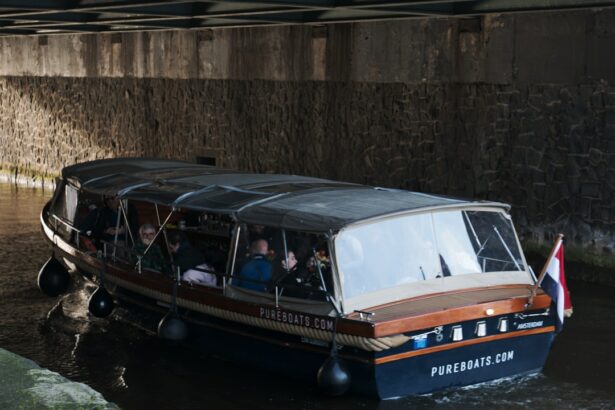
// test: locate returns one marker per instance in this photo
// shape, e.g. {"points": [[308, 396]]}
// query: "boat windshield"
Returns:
{"points": [[421, 247]]}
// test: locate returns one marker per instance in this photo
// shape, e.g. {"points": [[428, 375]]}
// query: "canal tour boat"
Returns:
{"points": [[381, 291]]}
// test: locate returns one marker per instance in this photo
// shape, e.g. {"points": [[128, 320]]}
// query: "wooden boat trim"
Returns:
{"points": [[457, 314], [456, 345], [447, 293]]}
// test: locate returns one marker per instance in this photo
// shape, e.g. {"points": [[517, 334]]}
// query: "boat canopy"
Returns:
{"points": [[284, 201]]}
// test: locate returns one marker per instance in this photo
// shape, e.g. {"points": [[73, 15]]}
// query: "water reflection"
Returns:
{"points": [[130, 367]]}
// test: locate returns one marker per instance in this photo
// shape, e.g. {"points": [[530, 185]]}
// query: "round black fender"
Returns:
{"points": [[333, 376], [53, 278], [101, 303], [172, 328]]}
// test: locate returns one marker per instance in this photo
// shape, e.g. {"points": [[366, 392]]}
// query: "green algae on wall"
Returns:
{"points": [[27, 177]]}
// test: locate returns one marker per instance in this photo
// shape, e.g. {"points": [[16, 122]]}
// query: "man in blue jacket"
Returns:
{"points": [[256, 274]]}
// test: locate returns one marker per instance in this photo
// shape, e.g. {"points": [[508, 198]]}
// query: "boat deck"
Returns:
{"points": [[439, 309]]}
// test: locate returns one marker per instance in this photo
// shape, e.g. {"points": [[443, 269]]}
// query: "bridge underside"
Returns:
{"points": [[33, 17]]}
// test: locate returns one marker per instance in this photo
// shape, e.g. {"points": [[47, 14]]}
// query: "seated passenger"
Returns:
{"points": [[257, 272], [153, 259], [183, 254], [107, 223], [256, 232], [299, 282]]}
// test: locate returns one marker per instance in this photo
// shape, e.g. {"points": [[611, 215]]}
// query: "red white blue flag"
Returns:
{"points": [[554, 284]]}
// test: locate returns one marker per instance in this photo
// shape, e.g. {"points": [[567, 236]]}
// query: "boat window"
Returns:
{"points": [[209, 235], [386, 254], [196, 243], [98, 218], [421, 247], [65, 204], [57, 200], [473, 241], [63, 210], [293, 264]]}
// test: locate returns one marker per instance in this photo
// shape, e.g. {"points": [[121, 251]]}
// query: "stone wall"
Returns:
{"points": [[547, 150], [517, 108]]}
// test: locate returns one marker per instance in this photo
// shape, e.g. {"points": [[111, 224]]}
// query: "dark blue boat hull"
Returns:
{"points": [[420, 374], [463, 366], [398, 372]]}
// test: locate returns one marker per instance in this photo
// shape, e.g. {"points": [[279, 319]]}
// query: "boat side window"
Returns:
{"points": [[57, 200], [195, 243], [199, 245], [87, 209], [63, 210], [293, 264], [303, 269], [106, 223], [86, 217]]}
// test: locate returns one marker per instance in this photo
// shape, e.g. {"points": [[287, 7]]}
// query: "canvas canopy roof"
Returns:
{"points": [[286, 201]]}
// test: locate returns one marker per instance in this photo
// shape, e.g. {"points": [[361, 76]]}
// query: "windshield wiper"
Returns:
{"points": [[445, 270]]}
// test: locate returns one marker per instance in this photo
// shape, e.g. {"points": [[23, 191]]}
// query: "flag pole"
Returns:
{"points": [[559, 237]]}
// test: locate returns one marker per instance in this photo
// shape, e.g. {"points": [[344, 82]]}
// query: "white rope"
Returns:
{"points": [[366, 343]]}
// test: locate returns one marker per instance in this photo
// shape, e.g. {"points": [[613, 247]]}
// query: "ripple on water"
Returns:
{"points": [[536, 391]]}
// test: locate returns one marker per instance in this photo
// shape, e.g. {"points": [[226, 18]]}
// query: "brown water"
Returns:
{"points": [[131, 368]]}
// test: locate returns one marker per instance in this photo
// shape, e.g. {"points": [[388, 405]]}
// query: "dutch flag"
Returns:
{"points": [[554, 283]]}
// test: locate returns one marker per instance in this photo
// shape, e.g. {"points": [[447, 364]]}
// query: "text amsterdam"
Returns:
{"points": [[298, 319], [477, 363]]}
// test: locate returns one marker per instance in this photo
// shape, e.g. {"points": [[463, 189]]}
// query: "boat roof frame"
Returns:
{"points": [[284, 201]]}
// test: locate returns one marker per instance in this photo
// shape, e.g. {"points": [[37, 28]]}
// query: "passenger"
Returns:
{"points": [[256, 273], [102, 223], [153, 259], [272, 236], [299, 282], [291, 265], [249, 234], [183, 254]]}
